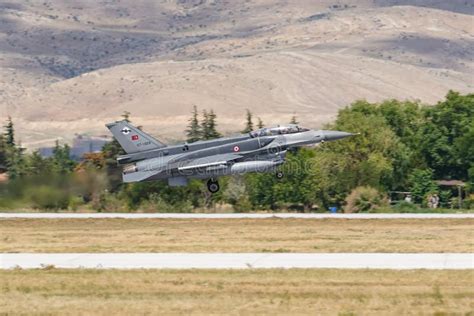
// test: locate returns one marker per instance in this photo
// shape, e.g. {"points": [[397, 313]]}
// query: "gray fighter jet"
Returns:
{"points": [[148, 159]]}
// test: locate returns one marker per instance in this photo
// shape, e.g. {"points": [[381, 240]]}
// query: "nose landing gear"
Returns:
{"points": [[279, 175], [213, 186]]}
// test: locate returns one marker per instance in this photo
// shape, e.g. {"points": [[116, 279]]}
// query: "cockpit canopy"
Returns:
{"points": [[279, 130]]}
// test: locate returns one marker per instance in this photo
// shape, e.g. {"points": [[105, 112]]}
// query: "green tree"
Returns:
{"points": [[13, 155], [61, 160], [36, 165], [260, 123], [298, 185], [374, 158], [193, 133], [15, 162], [9, 133], [422, 184], [445, 127], [464, 147], [209, 125], [261, 191], [3, 151], [248, 123]]}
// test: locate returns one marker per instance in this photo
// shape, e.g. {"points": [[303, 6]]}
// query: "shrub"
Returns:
{"points": [[236, 195], [406, 207], [48, 198], [469, 202], [364, 199], [156, 204], [108, 202], [75, 202]]}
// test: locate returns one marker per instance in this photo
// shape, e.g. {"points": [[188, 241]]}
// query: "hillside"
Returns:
{"points": [[69, 67]]}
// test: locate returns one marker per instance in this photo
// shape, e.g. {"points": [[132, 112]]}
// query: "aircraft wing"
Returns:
{"points": [[211, 161]]}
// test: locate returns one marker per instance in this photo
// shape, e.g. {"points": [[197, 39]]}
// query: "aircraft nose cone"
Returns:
{"points": [[335, 135]]}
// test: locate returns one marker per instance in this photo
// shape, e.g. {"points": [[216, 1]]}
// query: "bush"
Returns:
{"points": [[108, 202], [469, 202], [156, 204], [236, 195], [365, 199], [406, 207], [48, 198], [75, 202]]}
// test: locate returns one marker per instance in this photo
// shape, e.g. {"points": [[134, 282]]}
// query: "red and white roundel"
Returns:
{"points": [[236, 148]]}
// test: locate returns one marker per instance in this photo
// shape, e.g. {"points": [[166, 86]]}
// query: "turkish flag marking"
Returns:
{"points": [[236, 148], [134, 137]]}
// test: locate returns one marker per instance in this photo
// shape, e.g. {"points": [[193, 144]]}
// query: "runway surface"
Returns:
{"points": [[231, 216], [238, 261]]}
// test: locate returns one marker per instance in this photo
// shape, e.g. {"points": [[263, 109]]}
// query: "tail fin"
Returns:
{"points": [[132, 139]]}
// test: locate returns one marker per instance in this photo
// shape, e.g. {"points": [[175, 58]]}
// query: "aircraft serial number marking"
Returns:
{"points": [[144, 144]]}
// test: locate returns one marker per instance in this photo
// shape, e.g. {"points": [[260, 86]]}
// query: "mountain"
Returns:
{"points": [[68, 67]]}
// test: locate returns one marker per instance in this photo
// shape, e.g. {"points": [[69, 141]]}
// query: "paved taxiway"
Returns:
{"points": [[238, 261], [231, 216]]}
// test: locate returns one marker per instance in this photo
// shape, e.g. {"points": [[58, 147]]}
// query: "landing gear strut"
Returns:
{"points": [[213, 186], [279, 175]]}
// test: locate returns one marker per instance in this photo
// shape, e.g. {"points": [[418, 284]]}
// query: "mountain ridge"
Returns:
{"points": [[66, 69]]}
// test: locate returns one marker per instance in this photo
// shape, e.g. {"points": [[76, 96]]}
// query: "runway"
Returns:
{"points": [[450, 261], [230, 216]]}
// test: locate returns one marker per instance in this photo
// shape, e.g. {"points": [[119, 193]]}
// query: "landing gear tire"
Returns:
{"points": [[213, 186], [279, 175]]}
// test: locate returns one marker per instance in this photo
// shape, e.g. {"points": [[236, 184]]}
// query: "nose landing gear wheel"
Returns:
{"points": [[213, 186], [279, 175]]}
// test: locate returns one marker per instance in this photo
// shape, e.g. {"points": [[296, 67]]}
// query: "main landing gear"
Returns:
{"points": [[213, 185], [279, 175]]}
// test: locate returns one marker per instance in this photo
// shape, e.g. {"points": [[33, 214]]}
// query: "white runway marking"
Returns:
{"points": [[231, 216], [238, 261]]}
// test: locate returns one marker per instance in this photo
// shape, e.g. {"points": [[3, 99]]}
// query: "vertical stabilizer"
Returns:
{"points": [[132, 139]]}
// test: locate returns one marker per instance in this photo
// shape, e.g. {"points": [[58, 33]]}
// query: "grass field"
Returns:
{"points": [[236, 235], [238, 292]]}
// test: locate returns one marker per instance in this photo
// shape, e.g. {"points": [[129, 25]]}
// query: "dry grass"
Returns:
{"points": [[241, 292], [236, 235]]}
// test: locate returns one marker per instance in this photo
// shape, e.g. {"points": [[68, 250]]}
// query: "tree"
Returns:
{"points": [[464, 147], [446, 126], [12, 155], [15, 162], [248, 123], [36, 165], [194, 132], [10, 133], [209, 125], [3, 151], [260, 123], [110, 153], [298, 185], [294, 120], [374, 158], [422, 184], [126, 116], [62, 162]]}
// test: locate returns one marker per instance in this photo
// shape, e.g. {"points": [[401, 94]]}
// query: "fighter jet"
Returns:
{"points": [[263, 150]]}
